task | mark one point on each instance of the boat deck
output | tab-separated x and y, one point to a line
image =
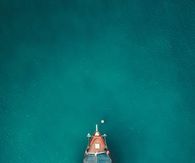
100	158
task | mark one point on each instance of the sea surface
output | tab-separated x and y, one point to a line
66	65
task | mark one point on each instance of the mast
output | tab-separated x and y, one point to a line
96	127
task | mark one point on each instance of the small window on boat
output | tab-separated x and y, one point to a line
97	146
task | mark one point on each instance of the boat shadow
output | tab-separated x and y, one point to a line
124	144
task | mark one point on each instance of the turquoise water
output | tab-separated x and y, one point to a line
65	65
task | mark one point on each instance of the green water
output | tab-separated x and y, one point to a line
65	65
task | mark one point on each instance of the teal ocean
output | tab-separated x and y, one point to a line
65	65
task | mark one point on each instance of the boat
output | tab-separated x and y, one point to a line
97	150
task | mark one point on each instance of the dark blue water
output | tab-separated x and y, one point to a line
65	65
